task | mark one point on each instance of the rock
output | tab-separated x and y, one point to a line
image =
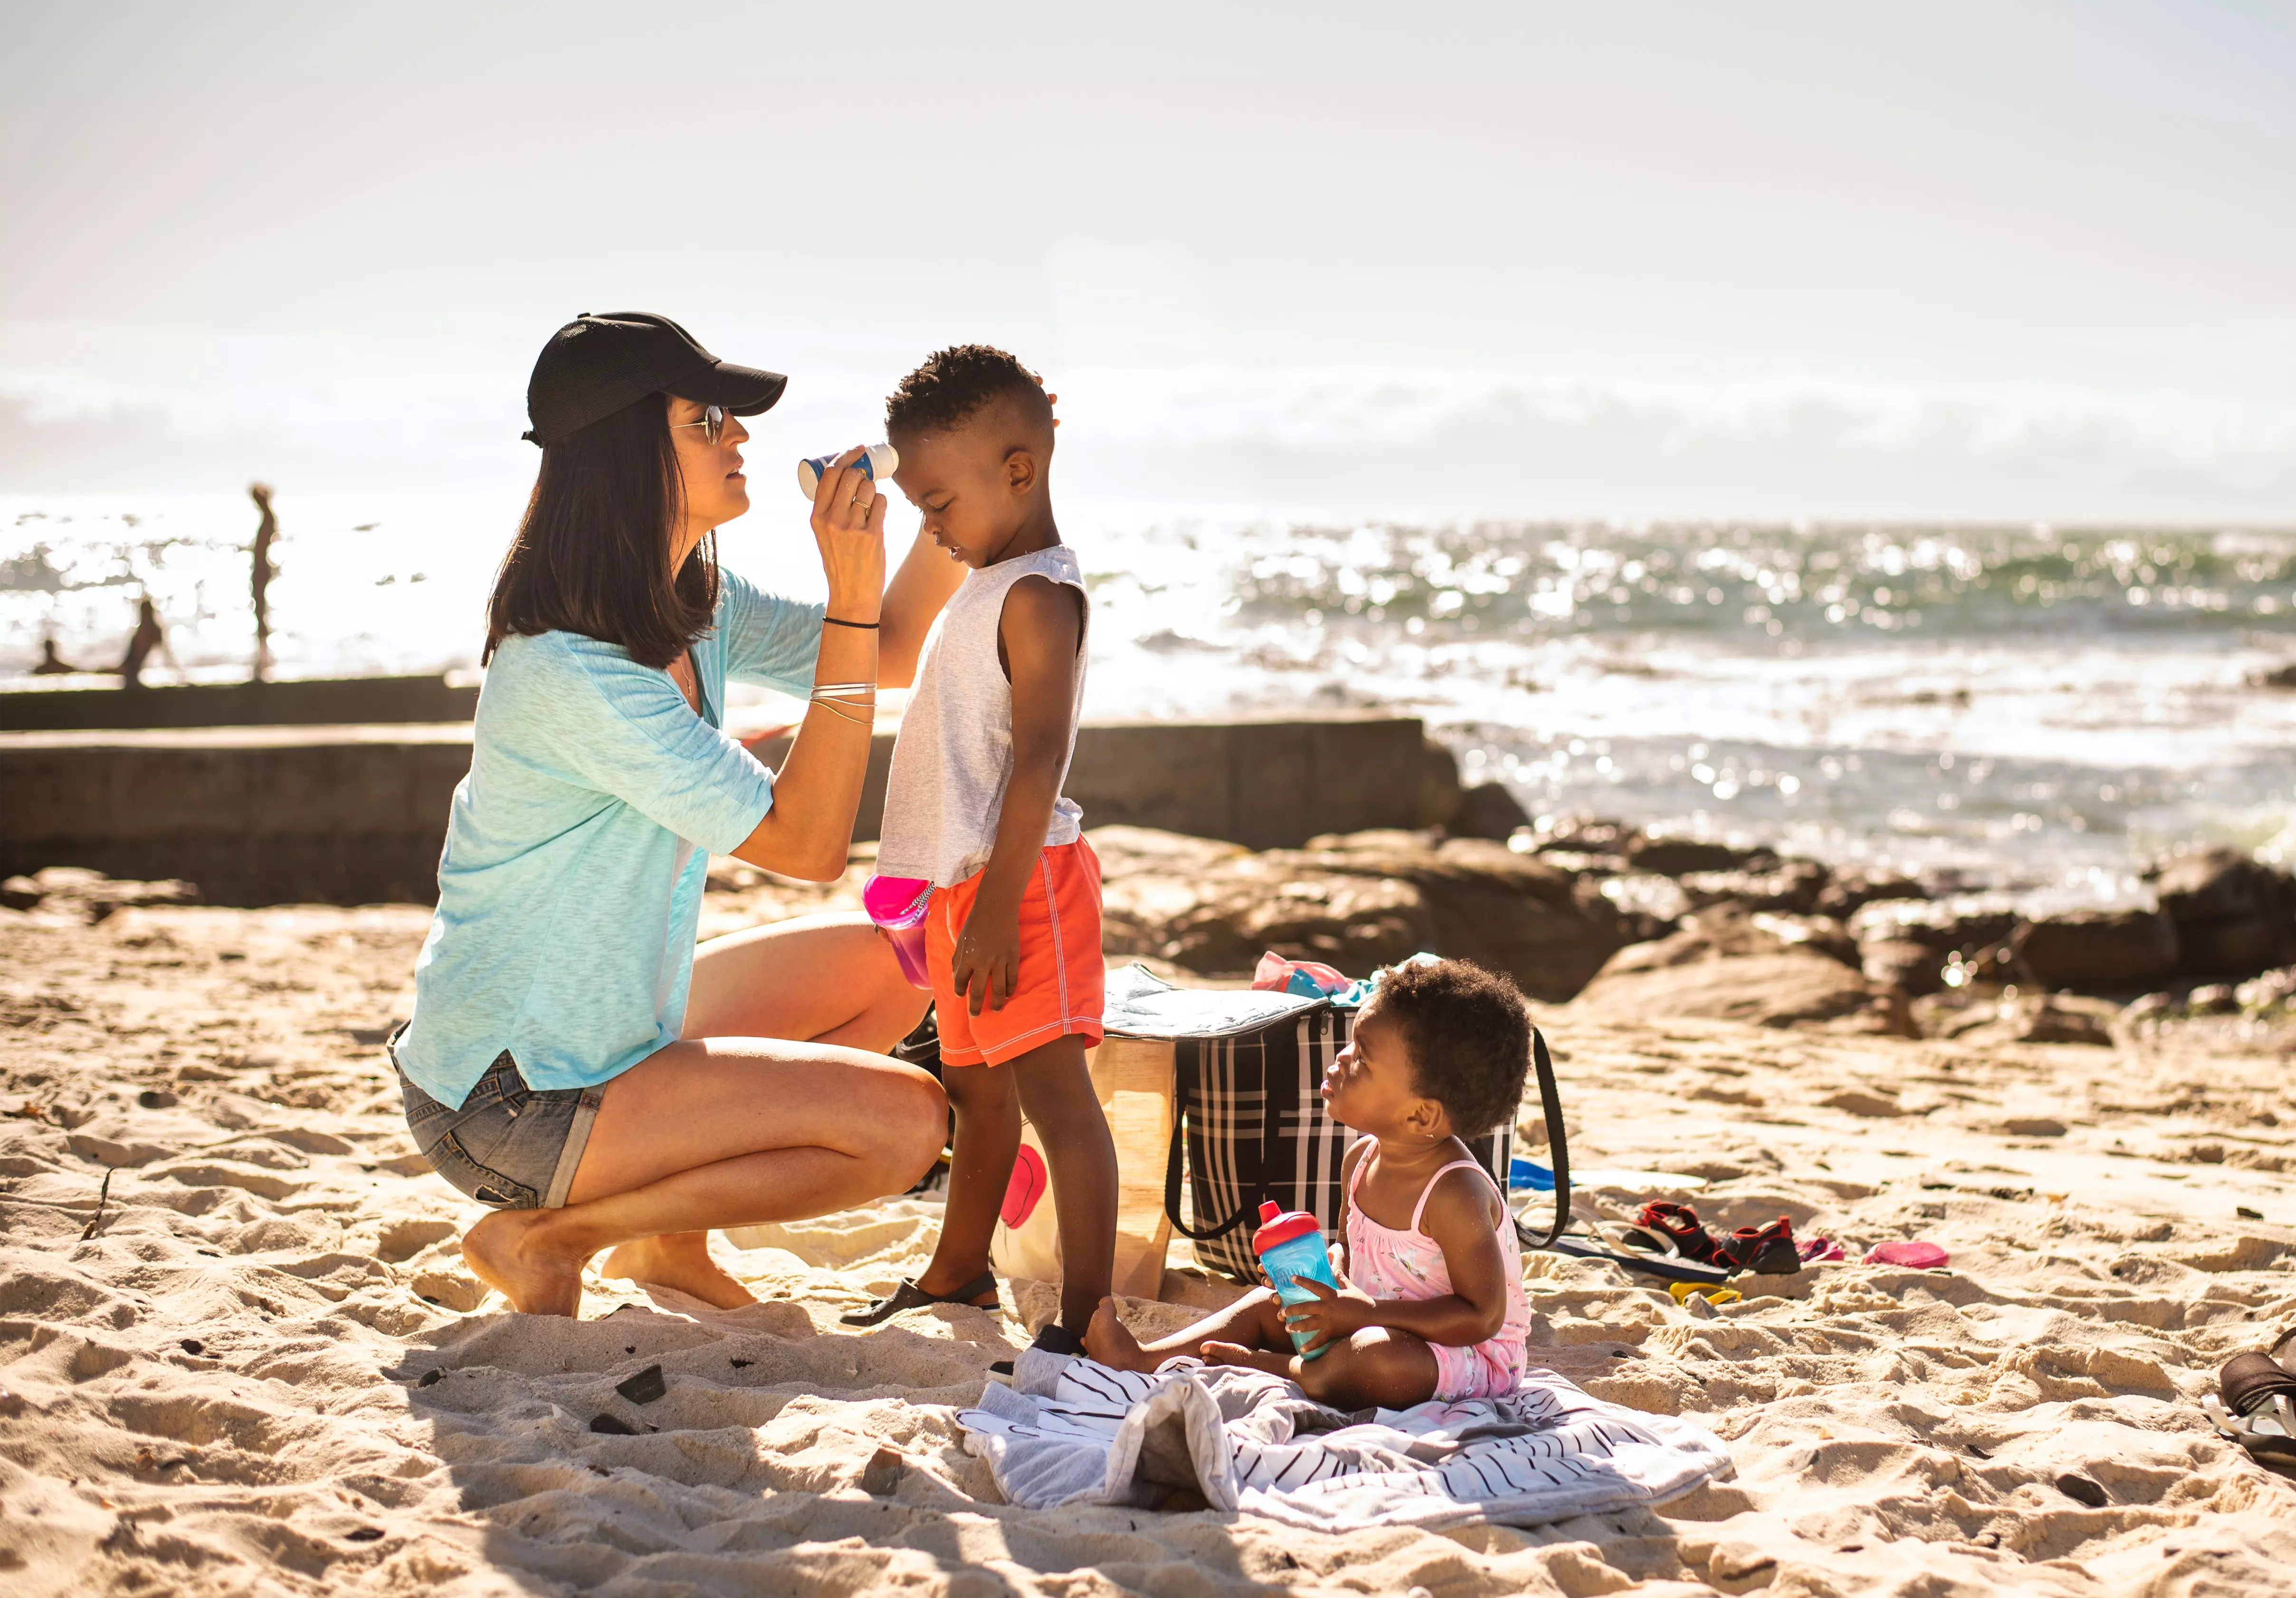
1788	988
1849	892
2233	948
1794	885
2037	1019
1439	787
2279	677
646	1387
1903	964
1861	1102
1820	934
1960	925
2098	950
1645	894
2270	992
880	1478
1586	833
1488	811
1124	850
2215	999
1888	1014
1357	901
2150	1007
1581	864
1943	1014
2216	885
1674	857
2234	916
91	894
1722	931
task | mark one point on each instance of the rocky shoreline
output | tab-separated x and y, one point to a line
1593	910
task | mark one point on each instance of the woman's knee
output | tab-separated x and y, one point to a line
914	1128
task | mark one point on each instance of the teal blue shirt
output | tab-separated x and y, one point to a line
571	885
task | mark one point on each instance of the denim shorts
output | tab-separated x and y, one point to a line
508	1146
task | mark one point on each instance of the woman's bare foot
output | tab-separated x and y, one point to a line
680	1261
1258	1359
1110	1342
504	1252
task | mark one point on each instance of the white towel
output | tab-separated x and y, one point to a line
1071	1432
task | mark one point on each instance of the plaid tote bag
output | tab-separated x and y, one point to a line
1248	1123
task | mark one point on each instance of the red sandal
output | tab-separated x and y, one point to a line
1764	1250
1679	1225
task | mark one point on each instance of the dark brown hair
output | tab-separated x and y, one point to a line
592	555
1467	1035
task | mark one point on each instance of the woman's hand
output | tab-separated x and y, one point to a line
1335	1314
848	528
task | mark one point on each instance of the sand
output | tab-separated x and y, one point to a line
258	1366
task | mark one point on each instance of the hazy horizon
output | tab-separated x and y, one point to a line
1653	261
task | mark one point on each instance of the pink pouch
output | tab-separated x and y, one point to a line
1027	1186
897	904
1277	974
1916	1253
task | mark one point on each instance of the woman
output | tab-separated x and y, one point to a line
572	1060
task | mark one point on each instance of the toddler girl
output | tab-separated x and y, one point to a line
1431	1303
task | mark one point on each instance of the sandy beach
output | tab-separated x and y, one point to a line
256	1365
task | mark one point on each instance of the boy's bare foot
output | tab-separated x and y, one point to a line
680	1261
502	1252
1110	1342
1258	1359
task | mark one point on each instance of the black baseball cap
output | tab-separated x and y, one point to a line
595	365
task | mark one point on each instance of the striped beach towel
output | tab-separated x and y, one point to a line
1195	1436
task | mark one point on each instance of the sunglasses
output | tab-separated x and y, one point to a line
712	423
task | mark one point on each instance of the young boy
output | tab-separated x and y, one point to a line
974	806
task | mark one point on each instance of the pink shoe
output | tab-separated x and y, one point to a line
1914	1254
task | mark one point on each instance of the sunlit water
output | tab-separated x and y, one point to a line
2046	707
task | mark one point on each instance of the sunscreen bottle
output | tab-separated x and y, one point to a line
878	462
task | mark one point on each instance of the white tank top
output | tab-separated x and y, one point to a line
955	755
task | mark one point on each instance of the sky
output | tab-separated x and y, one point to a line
1635	260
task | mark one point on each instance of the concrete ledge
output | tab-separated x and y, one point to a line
319	701
357	814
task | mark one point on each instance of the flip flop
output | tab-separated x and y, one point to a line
909	1296
2255	1407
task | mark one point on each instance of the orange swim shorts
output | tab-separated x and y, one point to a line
1062	980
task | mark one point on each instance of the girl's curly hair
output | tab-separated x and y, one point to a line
1468	1037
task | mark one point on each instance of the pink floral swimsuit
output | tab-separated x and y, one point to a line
1387	1263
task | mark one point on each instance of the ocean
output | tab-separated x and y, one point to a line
2029	707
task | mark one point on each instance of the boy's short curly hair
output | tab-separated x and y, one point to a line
1468	1037
957	384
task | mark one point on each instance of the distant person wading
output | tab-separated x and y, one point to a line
573	1060
260	578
